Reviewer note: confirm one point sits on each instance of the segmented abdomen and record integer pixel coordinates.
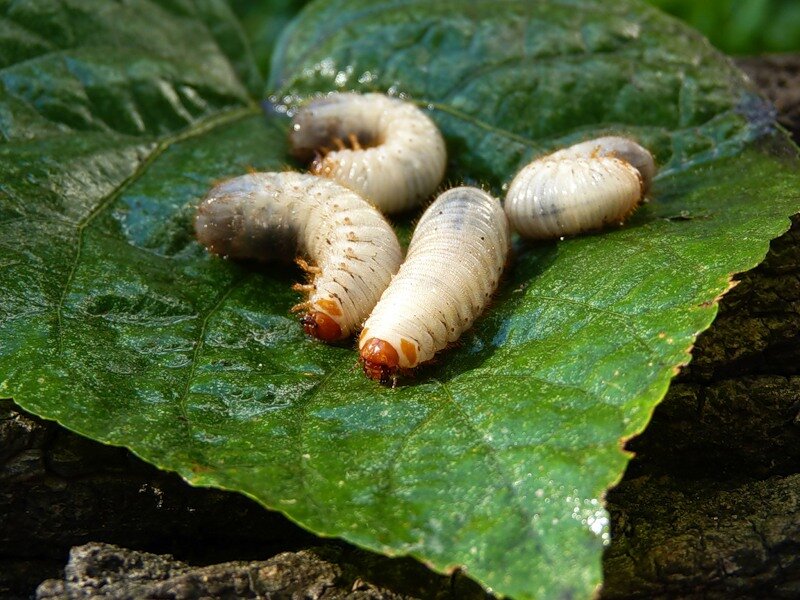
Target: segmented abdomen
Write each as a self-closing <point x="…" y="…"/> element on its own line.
<point x="452" y="268"/>
<point x="615" y="147"/>
<point x="550" y="198"/>
<point x="396" y="156"/>
<point x="278" y="216"/>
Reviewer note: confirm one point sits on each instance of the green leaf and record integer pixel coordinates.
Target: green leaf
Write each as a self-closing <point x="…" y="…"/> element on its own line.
<point x="117" y="117"/>
<point x="263" y="22"/>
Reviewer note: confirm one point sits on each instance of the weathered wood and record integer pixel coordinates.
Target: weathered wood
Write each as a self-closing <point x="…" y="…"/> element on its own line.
<point x="96" y="571"/>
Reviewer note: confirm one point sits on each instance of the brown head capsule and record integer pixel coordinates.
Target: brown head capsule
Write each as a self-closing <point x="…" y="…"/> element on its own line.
<point x="379" y="359"/>
<point x="320" y="325"/>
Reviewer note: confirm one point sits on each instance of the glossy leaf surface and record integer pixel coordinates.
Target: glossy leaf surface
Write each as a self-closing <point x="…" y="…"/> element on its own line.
<point x="116" y="119"/>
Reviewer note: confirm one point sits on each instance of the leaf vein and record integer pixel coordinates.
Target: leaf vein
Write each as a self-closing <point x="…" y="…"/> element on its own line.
<point x="491" y="452"/>
<point x="385" y="490"/>
<point x="619" y="317"/>
<point x="218" y="120"/>
<point x="198" y="347"/>
<point x="354" y="17"/>
<point x="301" y="419"/>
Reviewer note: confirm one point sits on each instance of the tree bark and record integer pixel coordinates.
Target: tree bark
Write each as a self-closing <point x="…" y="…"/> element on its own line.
<point x="709" y="507"/>
<point x="104" y="571"/>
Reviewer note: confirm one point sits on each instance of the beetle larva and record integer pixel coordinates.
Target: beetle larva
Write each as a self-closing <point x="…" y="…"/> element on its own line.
<point x="617" y="147"/>
<point x="453" y="266"/>
<point x="578" y="189"/>
<point x="396" y="158"/>
<point x="278" y="216"/>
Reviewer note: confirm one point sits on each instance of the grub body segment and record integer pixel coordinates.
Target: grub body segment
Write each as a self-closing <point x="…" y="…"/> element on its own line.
<point x="579" y="189"/>
<point x="615" y="147"/>
<point x="386" y="149"/>
<point x="283" y="216"/>
<point x="549" y="199"/>
<point x="452" y="269"/>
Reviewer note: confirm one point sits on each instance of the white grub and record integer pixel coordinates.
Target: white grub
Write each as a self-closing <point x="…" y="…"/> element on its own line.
<point x="386" y="149"/>
<point x="281" y="216"/>
<point x="616" y="147"/>
<point x="452" y="268"/>
<point x="581" y="188"/>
